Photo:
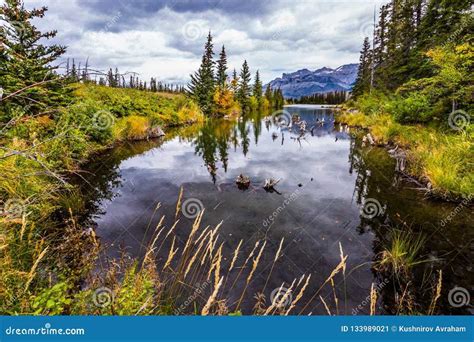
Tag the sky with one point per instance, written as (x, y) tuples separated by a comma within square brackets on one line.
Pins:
[(165, 39)]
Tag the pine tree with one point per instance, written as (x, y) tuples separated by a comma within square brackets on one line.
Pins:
[(27, 66), (202, 84), (243, 93), (111, 78), (257, 89), (73, 71), (380, 48), (234, 84), (363, 74), (221, 77), (269, 96)]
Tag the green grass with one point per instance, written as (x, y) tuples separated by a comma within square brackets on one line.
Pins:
[(401, 254), (44, 255), (438, 156)]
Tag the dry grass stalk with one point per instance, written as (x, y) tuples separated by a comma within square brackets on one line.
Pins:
[(437, 293), (299, 295), (280, 304), (166, 236), (259, 307), (336, 300), (236, 254), (212, 298), (277, 255), (194, 229), (245, 263), (178, 203), (339, 267), (193, 259), (252, 271), (373, 299), (151, 248), (325, 306), (255, 262), (171, 254), (23, 226), (212, 242), (31, 275)]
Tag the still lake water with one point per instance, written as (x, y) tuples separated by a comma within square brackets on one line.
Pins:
[(326, 178)]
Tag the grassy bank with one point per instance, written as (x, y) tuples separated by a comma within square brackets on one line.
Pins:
[(43, 252), (440, 158)]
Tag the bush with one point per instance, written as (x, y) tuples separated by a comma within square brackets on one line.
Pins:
[(411, 109)]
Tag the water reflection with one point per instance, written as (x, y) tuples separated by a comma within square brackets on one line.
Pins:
[(327, 174)]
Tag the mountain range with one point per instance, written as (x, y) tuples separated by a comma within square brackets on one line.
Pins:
[(306, 82)]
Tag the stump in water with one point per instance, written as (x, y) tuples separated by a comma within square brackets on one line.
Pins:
[(243, 182), (270, 184)]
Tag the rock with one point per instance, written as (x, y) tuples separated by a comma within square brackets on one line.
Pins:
[(155, 132)]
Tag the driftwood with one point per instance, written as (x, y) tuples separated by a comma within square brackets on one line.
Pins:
[(270, 184), (243, 182)]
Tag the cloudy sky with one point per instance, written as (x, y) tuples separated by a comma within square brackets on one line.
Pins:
[(165, 39)]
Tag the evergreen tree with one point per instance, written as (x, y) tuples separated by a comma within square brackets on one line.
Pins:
[(221, 77), (234, 84), (111, 78), (202, 84), (27, 66), (257, 88), (363, 74), (269, 96), (243, 93), (73, 71)]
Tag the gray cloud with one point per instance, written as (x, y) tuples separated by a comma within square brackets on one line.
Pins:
[(166, 38)]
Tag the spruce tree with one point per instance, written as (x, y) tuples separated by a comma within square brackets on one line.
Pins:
[(257, 88), (28, 76), (269, 96), (202, 84), (363, 74), (234, 84), (221, 77), (243, 93)]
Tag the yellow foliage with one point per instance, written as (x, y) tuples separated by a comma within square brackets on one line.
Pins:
[(224, 102)]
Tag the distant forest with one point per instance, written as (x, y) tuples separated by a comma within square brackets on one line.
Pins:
[(115, 79), (333, 97)]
